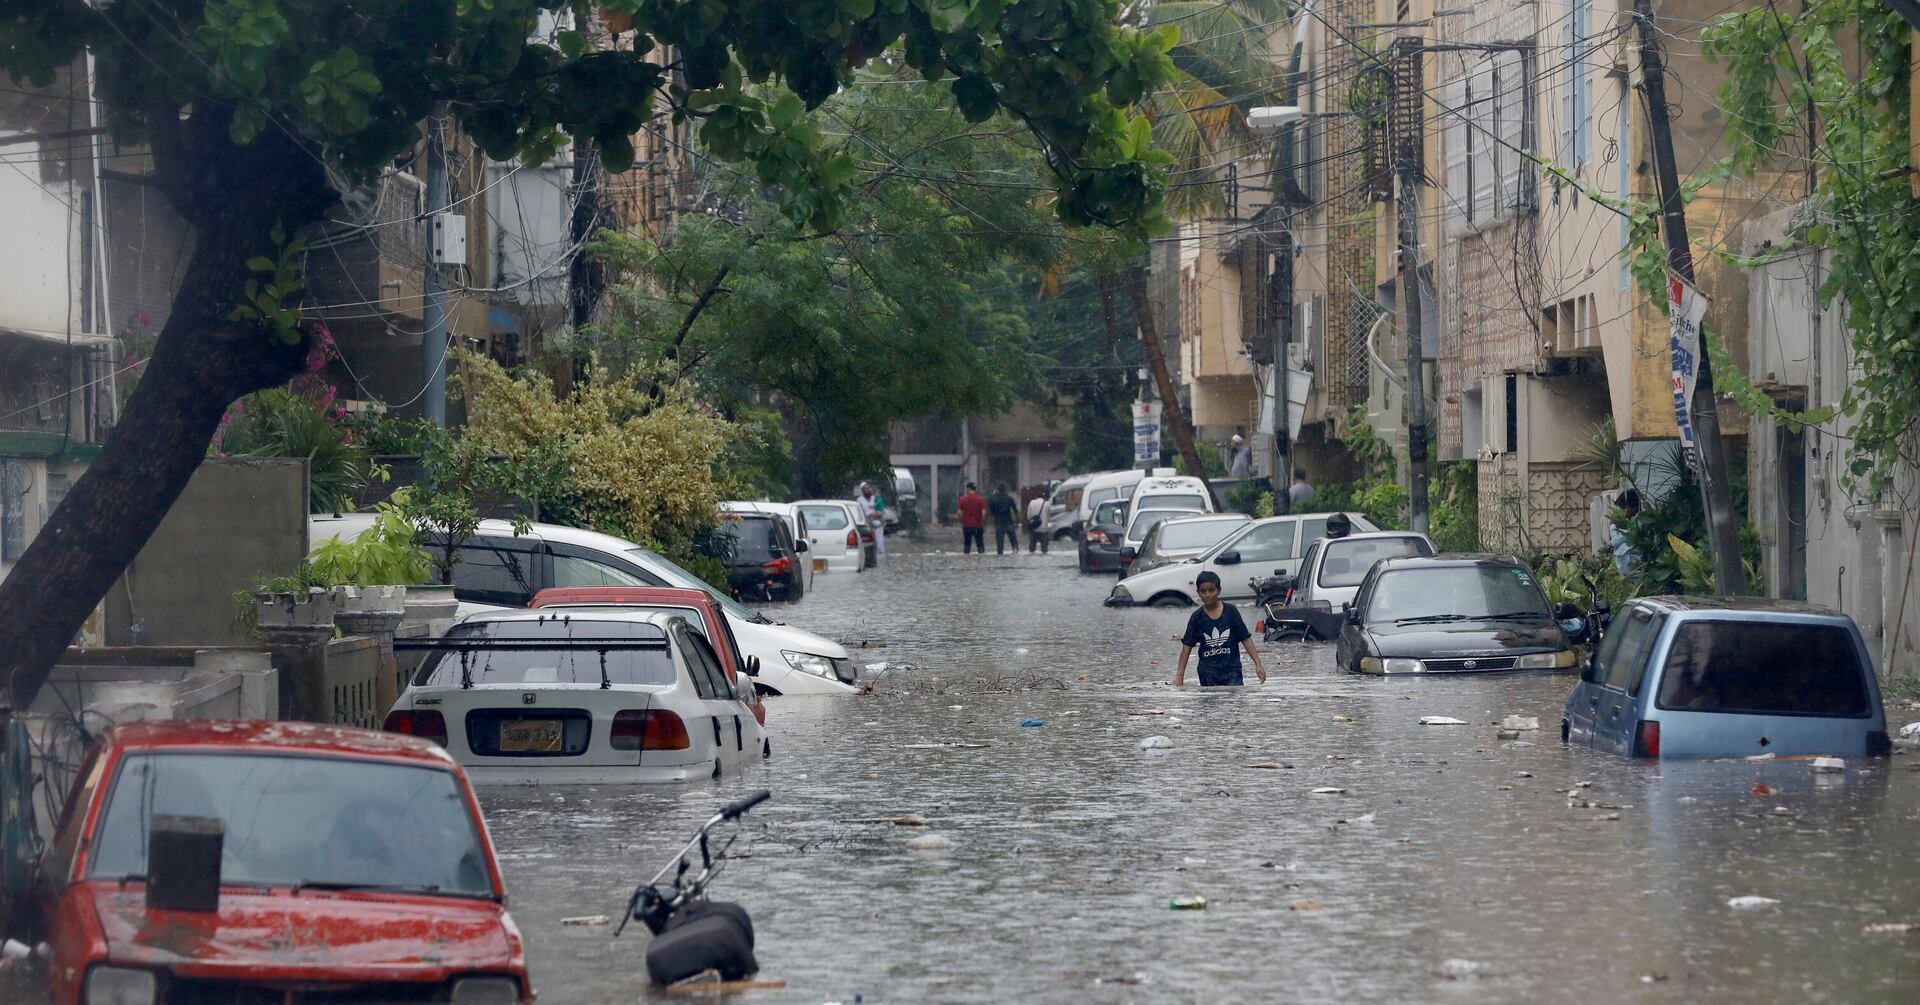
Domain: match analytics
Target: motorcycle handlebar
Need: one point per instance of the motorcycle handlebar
(735, 809)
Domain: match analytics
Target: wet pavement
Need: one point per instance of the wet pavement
(1451, 865)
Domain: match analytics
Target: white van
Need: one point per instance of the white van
(500, 569)
(1175, 492)
(1108, 485)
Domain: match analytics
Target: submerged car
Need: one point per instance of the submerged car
(833, 535)
(695, 604)
(604, 695)
(770, 554)
(1269, 547)
(1140, 522)
(1179, 538)
(1678, 677)
(1100, 538)
(247, 861)
(1452, 614)
(1330, 575)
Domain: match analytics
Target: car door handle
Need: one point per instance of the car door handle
(1616, 711)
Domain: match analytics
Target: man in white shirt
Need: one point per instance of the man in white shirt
(1037, 536)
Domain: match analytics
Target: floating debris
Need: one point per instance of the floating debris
(1441, 720)
(1750, 902)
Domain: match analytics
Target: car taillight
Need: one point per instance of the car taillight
(648, 729)
(1646, 739)
(1096, 537)
(778, 567)
(853, 538)
(425, 725)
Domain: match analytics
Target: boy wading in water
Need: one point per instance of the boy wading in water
(1217, 630)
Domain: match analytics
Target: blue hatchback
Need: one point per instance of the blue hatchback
(1727, 677)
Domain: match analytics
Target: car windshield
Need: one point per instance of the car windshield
(1110, 512)
(825, 517)
(1456, 592)
(1095, 497)
(1163, 500)
(1347, 561)
(330, 821)
(444, 668)
(1146, 520)
(1196, 534)
(663, 567)
(1762, 668)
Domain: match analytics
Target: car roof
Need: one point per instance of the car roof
(1377, 535)
(617, 596)
(261, 736)
(1737, 605)
(1106, 478)
(751, 506)
(824, 502)
(605, 612)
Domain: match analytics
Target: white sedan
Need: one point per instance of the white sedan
(833, 534)
(560, 697)
(1269, 547)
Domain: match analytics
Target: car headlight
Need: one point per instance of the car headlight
(121, 986)
(1374, 664)
(819, 666)
(1546, 661)
(486, 991)
(1120, 593)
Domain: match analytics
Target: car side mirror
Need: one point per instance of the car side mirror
(799, 546)
(1129, 553)
(1229, 558)
(753, 666)
(1352, 612)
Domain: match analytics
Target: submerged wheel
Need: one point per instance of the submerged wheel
(1169, 600)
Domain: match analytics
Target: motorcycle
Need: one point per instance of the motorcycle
(691, 934)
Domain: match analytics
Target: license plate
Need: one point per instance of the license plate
(531, 736)
(819, 565)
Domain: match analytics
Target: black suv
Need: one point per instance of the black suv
(766, 559)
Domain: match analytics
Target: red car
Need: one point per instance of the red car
(201, 860)
(697, 602)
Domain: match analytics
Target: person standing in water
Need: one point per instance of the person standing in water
(1219, 632)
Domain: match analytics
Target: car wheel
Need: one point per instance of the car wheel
(1169, 600)
(766, 749)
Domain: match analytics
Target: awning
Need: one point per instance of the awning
(78, 340)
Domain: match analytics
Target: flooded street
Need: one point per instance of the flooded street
(1451, 863)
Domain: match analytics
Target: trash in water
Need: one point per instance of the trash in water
(1464, 970)
(1892, 927)
(1760, 790)
(1030, 723)
(1828, 765)
(1328, 790)
(586, 919)
(1133, 979)
(1149, 711)
(1911, 730)
(1193, 903)
(1304, 905)
(1155, 743)
(1342, 718)
(1519, 745)
(689, 796)
(1363, 820)
(1070, 713)
(1507, 734)
(1750, 903)
(943, 746)
(909, 820)
(955, 708)
(1022, 651)
(1520, 722)
(1761, 757)
(929, 842)
(1268, 765)
(1523, 774)
(1190, 860)
(1441, 720)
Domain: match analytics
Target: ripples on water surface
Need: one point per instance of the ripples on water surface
(1068, 841)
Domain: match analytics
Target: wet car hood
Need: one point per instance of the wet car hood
(310, 935)
(1467, 638)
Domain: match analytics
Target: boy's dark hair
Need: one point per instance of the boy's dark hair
(1205, 578)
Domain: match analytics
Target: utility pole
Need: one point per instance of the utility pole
(1407, 133)
(586, 279)
(433, 339)
(1729, 576)
(1170, 408)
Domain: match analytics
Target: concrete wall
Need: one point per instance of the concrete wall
(237, 520)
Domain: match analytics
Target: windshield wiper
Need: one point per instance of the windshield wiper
(1431, 618)
(329, 884)
(1513, 616)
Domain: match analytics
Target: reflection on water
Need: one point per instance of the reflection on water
(1553, 870)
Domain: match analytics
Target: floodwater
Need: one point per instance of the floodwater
(1452, 866)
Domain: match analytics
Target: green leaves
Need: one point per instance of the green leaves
(275, 281)
(975, 96)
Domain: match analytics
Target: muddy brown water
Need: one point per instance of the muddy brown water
(1452, 865)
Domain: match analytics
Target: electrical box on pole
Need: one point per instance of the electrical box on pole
(447, 239)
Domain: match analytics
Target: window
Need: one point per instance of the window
(1348, 560)
(1147, 520)
(1198, 534)
(1622, 656)
(709, 680)
(1575, 94)
(496, 570)
(1460, 592)
(1267, 542)
(1484, 129)
(825, 517)
(442, 668)
(1111, 511)
(1760, 668)
(290, 818)
(1192, 504)
(754, 539)
(570, 570)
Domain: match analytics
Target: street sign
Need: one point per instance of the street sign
(1685, 310)
(1146, 432)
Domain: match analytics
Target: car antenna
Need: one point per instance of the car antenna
(606, 684)
(466, 670)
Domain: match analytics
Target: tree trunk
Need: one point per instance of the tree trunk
(235, 197)
(1163, 380)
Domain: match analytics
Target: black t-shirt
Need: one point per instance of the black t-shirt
(1218, 642)
(1003, 508)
